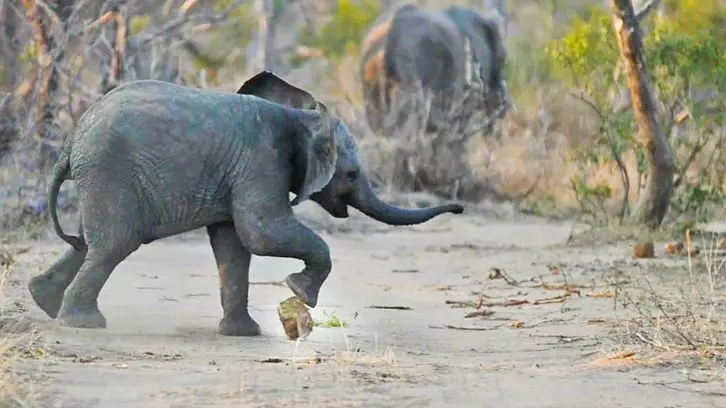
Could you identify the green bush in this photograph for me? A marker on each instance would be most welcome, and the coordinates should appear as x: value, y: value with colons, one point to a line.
x: 685, y: 56
x: 342, y: 34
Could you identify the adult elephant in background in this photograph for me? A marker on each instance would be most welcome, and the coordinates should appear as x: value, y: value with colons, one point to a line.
x: 153, y: 159
x: 447, y: 64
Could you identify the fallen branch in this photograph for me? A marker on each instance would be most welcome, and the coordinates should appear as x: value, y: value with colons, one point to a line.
x: 570, y: 287
x: 670, y: 387
x: 479, y: 313
x: 469, y: 328
x: 507, y: 303
x: 389, y: 307
x: 606, y: 294
x: 462, y: 303
x: 498, y: 273
x: 271, y: 283
x: 556, y: 299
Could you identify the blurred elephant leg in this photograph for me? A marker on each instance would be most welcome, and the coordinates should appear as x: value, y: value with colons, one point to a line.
x: 233, y: 263
x: 47, y: 289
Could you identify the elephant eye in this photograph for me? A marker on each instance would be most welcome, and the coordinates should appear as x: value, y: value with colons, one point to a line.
x: 351, y: 175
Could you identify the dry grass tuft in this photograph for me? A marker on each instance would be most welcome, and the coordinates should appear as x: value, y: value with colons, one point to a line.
x: 677, y: 311
x: 354, y: 354
x: 16, y: 390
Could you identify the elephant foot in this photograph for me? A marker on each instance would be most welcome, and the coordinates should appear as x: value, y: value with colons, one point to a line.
x: 245, y: 326
x: 89, y: 318
x: 304, y: 288
x: 48, y: 295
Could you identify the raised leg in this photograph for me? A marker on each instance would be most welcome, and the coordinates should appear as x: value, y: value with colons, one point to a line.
x: 233, y: 263
x: 274, y: 231
x: 47, y: 288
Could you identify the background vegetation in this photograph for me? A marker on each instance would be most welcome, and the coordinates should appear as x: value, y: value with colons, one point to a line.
x: 569, y: 146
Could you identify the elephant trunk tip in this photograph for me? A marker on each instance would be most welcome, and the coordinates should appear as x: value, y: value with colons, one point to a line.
x: 454, y: 208
x: 371, y: 205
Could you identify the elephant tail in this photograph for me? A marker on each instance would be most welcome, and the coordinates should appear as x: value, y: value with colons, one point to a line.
x: 61, y: 171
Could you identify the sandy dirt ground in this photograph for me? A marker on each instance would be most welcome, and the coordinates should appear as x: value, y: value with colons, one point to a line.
x: 162, y: 304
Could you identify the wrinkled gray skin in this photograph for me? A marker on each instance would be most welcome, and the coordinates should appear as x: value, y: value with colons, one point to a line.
x: 426, y: 50
x: 153, y: 159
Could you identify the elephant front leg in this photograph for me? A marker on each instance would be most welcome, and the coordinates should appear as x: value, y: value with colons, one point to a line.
x: 233, y: 263
x: 282, y: 235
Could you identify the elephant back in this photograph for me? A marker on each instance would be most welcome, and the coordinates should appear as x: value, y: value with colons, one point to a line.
x: 486, y: 43
x: 424, y: 49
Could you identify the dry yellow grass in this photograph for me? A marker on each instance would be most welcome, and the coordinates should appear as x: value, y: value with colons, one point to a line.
x: 15, y: 389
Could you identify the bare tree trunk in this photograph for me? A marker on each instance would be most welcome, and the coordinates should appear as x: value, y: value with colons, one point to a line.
x: 655, y: 200
x: 118, y: 42
x: 8, y: 73
x: 46, y: 69
x: 274, y: 10
x: 257, y: 62
x: 8, y: 43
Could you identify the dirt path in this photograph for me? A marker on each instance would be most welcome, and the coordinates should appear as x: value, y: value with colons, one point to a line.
x: 162, y: 304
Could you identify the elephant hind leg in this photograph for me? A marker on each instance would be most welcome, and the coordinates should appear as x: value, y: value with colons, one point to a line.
x: 110, y: 237
x: 47, y: 289
x: 80, y: 304
x: 233, y: 263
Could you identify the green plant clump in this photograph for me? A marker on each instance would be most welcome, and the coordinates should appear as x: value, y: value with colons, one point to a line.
x: 333, y: 321
x: 685, y: 55
x: 344, y: 31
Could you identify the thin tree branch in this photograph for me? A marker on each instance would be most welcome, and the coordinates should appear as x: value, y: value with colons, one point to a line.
x: 641, y: 14
x: 172, y: 26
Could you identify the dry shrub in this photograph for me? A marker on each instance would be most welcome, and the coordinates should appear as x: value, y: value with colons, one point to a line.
x: 87, y: 53
x: 678, y: 309
x: 15, y: 389
x: 393, y: 162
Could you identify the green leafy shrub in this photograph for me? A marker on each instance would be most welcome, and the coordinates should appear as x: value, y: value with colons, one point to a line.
x: 685, y: 56
x: 139, y: 23
x: 345, y: 29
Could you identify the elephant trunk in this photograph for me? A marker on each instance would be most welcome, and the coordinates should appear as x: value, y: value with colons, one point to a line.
x: 366, y: 201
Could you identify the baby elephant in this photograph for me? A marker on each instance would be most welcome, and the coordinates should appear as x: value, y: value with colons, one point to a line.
x: 153, y: 159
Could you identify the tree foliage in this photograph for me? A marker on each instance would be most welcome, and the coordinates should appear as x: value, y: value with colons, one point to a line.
x: 346, y: 27
x: 685, y: 51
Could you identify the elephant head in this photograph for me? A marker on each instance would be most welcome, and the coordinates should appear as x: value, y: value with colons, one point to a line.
x: 349, y: 184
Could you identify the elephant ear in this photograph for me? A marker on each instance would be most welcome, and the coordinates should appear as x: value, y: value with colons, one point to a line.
x: 269, y: 86
x: 319, y: 153
x: 315, y: 137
